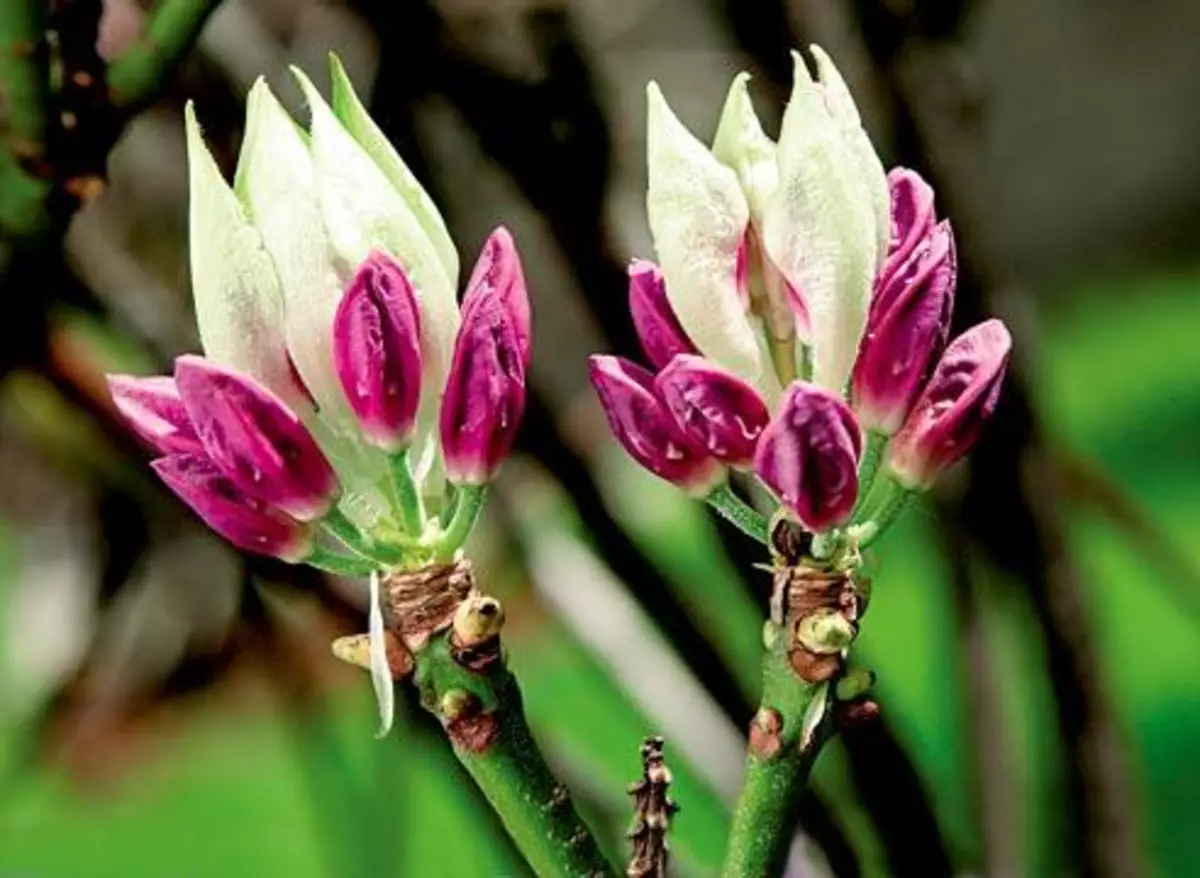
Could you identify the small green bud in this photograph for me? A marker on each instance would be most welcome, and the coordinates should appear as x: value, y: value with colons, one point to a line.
x: 855, y: 683
x: 825, y: 632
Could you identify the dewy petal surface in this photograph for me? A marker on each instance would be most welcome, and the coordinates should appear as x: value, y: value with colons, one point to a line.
x: 377, y: 351
x: 358, y: 122
x: 256, y: 440
x: 244, y: 521
x: 808, y: 456
x: 362, y: 211
x: 239, y: 302
x: 152, y: 408
x: 485, y: 393
x: 715, y: 409
x: 698, y: 217
x: 870, y: 168
x: 275, y: 181
x: 961, y: 396
x: 657, y: 326
x: 643, y: 425
x: 820, y: 229
x: 498, y: 273
x: 912, y: 215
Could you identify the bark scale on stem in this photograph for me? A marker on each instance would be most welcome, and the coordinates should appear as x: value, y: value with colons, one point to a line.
x: 462, y: 679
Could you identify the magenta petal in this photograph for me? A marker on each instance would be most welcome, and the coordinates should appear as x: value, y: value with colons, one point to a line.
x: 377, y: 351
x: 153, y: 410
x: 718, y: 411
x: 657, y: 326
x: 485, y: 391
x: 907, y: 328
x: 247, y: 523
x: 912, y: 215
x: 950, y: 414
x: 256, y: 439
x: 808, y: 456
x: 645, y: 428
x: 498, y: 275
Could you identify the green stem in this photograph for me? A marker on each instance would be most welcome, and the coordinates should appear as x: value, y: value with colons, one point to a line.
x: 778, y: 765
x: 483, y: 716
x: 408, y: 495
x: 23, y: 102
x: 738, y: 513
x: 135, y: 78
x: 352, y: 537
x: 468, y: 504
x: 341, y: 565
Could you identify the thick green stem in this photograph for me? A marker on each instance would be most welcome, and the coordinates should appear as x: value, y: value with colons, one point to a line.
x: 893, y: 500
x: 738, y: 513
x: 481, y: 710
x: 341, y: 565
x: 135, y: 78
x: 786, y: 736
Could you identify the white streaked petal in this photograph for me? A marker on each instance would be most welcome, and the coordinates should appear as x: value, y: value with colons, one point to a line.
x: 381, y: 671
x: 698, y: 218
x: 239, y: 304
x: 353, y: 115
x: 362, y: 211
x: 845, y: 113
x: 741, y: 144
x: 820, y: 229
x: 275, y: 182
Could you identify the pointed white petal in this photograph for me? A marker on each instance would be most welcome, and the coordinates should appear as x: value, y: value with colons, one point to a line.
x: 363, y: 211
x: 698, y: 218
x: 353, y: 115
x: 381, y: 672
x: 820, y: 229
x: 742, y: 145
x: 845, y: 113
x: 239, y: 304
x: 275, y: 182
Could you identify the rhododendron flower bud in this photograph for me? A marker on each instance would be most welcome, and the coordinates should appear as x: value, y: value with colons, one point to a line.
x: 248, y: 523
x: 912, y: 216
x: 256, y: 440
x: 657, y: 326
x: 808, y: 456
x: 152, y: 408
x: 716, y: 410
x: 498, y: 273
x: 643, y: 425
x: 947, y: 418
x: 485, y: 393
x: 377, y: 351
x: 906, y: 330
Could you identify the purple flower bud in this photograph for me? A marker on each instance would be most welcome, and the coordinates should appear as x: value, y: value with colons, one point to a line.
x: 256, y: 440
x: 907, y: 328
x: 485, y: 391
x: 498, y: 273
x: 153, y: 410
x: 912, y: 216
x: 657, y: 326
x: 808, y: 456
x: 377, y: 351
x: 718, y: 411
x: 643, y: 425
x: 949, y: 416
x: 247, y: 523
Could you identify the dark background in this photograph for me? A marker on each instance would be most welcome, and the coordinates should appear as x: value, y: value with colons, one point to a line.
x: 168, y: 708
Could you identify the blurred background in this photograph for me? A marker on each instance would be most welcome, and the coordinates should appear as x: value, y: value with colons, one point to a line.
x: 170, y: 708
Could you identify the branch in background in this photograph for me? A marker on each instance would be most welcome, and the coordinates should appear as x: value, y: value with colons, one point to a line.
x: 652, y: 813
x: 938, y: 110
x: 137, y: 77
x: 24, y: 87
x: 992, y: 772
